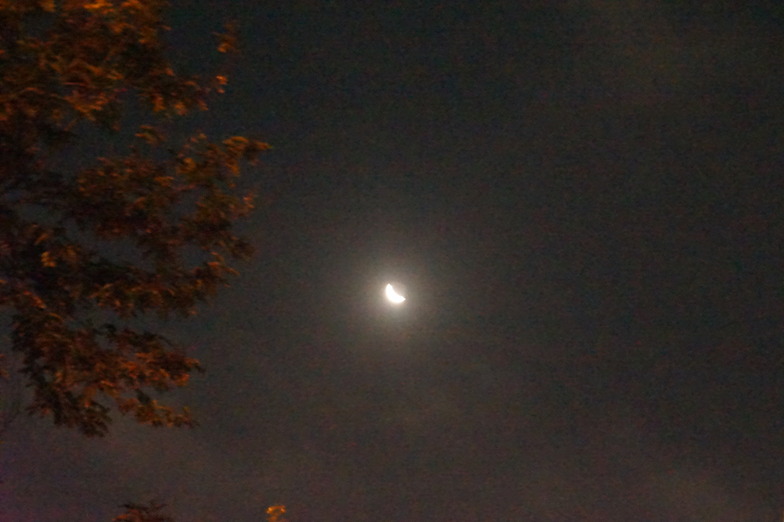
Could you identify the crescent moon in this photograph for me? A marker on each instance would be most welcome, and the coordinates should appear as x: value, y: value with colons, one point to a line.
x: 392, y: 295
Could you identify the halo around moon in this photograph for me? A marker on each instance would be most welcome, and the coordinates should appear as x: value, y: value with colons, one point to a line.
x: 392, y: 295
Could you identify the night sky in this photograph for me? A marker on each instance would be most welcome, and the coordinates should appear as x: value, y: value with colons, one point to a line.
x: 585, y: 202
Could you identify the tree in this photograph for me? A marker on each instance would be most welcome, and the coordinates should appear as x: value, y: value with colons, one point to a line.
x: 91, y: 248
x: 152, y: 512
x: 276, y: 513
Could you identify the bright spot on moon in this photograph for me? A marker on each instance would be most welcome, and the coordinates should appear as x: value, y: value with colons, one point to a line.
x: 392, y: 296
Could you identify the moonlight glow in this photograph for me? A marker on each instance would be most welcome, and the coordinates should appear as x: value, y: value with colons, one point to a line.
x: 392, y: 296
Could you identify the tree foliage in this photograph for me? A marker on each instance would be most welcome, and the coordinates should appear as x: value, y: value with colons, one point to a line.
x: 90, y: 249
x: 276, y: 513
x: 152, y: 512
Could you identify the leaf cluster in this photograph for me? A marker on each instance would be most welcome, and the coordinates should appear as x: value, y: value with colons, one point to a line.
x: 87, y: 252
x: 152, y: 512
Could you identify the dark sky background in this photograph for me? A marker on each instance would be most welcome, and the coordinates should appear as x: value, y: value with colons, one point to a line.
x: 584, y: 199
